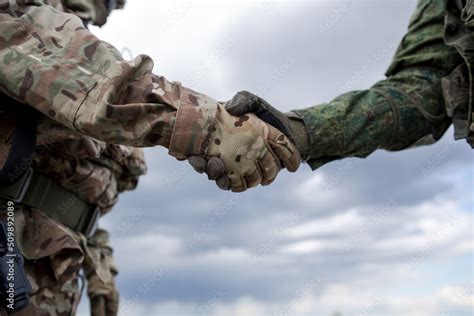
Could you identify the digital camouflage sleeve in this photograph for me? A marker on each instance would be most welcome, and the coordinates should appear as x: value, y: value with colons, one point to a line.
x: 404, y: 110
x: 50, y: 61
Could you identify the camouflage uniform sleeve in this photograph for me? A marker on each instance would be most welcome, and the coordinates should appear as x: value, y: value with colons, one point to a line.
x: 49, y: 61
x: 404, y: 110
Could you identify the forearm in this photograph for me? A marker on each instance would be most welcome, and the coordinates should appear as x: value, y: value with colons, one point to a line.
x: 72, y: 77
x: 387, y: 116
x: 347, y: 126
x: 397, y: 112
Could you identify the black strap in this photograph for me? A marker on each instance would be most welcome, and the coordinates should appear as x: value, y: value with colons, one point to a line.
x: 24, y: 141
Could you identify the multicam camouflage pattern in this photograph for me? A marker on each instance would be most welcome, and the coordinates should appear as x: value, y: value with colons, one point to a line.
x: 93, y: 105
x: 54, y: 257
x: 97, y: 172
x: 289, y: 124
x: 82, y: 83
x: 50, y: 297
x: 250, y: 149
x: 406, y: 109
x: 194, y: 121
x: 101, y: 287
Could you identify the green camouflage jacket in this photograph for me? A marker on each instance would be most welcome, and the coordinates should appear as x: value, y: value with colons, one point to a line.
x: 406, y: 109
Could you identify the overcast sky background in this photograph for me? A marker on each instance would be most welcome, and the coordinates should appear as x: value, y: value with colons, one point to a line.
x: 388, y: 235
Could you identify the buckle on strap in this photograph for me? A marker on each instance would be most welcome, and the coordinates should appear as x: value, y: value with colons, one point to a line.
x: 17, y: 191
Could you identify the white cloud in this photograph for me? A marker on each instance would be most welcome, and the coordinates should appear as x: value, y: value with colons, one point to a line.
x: 315, y: 185
x: 438, y: 224
x: 223, y: 256
x: 311, y: 246
x: 458, y: 296
x: 343, y: 222
x: 344, y: 298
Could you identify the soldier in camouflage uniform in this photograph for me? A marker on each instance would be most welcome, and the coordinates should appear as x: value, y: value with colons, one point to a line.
x: 429, y: 85
x: 94, y: 110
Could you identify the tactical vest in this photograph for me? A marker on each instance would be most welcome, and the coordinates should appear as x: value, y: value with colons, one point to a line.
x: 458, y: 87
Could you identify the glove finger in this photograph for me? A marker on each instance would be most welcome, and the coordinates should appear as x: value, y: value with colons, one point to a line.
x: 237, y: 183
x: 285, y: 151
x: 290, y: 159
x: 215, y: 168
x: 224, y: 183
x: 255, y: 178
x: 246, y: 102
x: 199, y: 164
x: 269, y: 167
x: 241, y: 103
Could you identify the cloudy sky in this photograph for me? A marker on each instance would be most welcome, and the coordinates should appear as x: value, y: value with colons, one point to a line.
x: 388, y: 235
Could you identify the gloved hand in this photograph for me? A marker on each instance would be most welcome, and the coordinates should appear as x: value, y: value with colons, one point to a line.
x: 289, y: 124
x: 243, y: 152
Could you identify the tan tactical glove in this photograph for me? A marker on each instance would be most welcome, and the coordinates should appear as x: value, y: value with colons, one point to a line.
x: 239, y: 152
x: 100, y: 271
x: 243, y: 152
x: 289, y: 124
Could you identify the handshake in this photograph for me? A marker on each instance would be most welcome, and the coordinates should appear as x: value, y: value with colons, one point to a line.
x: 240, y: 144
